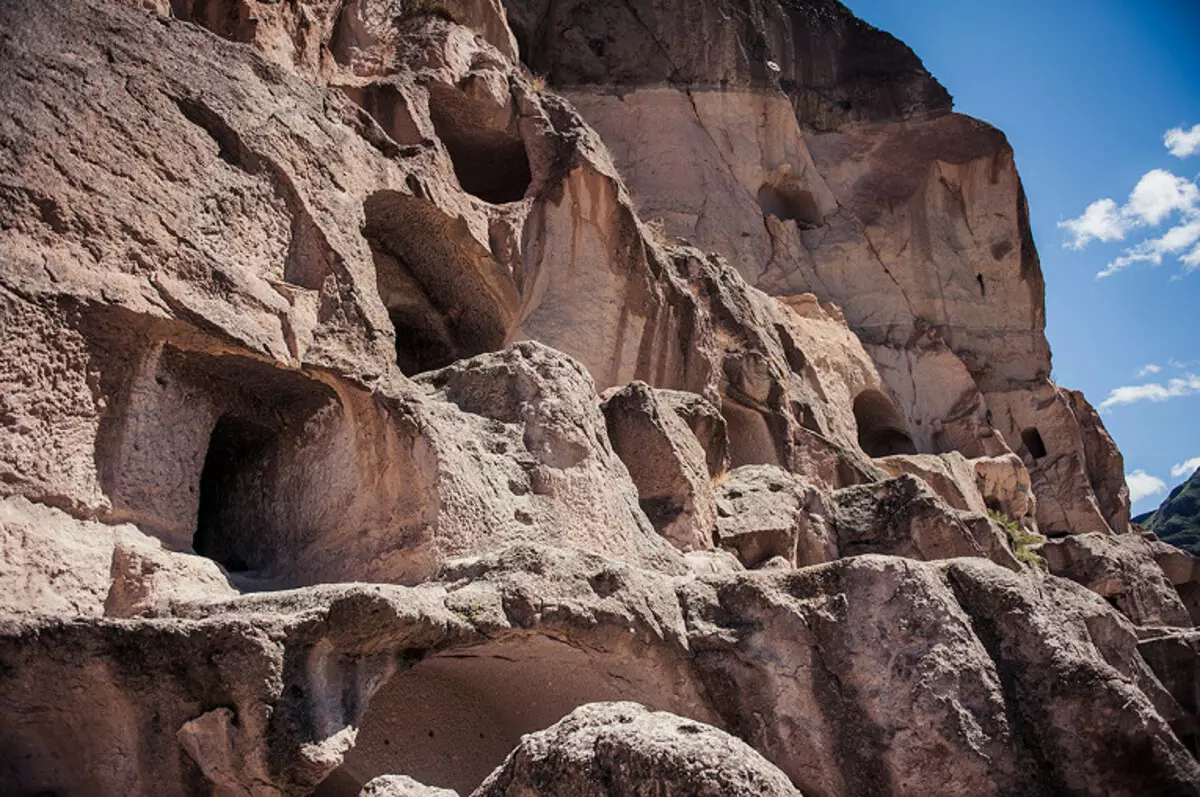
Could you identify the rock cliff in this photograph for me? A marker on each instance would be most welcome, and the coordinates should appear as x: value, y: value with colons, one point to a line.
x: 421, y: 397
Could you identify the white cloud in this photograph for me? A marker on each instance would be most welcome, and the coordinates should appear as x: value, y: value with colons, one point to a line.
x: 1102, y: 221
x: 1185, y: 468
x: 1174, y: 241
x: 1149, y: 368
x: 1191, y: 261
x: 1159, y: 194
x: 1182, y: 143
x: 1143, y: 485
x: 1186, y: 385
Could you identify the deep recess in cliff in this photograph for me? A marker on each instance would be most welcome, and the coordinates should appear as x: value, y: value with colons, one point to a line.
x: 419, y: 397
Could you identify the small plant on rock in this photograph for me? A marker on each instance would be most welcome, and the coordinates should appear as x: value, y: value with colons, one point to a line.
x: 1020, y: 539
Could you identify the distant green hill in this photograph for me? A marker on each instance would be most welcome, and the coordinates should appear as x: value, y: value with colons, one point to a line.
x: 1177, y: 521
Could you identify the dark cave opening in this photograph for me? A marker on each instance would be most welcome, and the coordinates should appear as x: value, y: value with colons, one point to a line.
x: 234, y: 466
x: 489, y: 159
x: 789, y: 203
x: 1034, y: 444
x: 441, y: 290
x: 881, y: 429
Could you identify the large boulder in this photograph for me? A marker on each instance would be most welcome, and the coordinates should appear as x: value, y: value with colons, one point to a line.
x: 904, y: 517
x: 1123, y: 569
x: 1174, y: 656
x: 625, y: 750
x: 527, y: 433
x: 652, y: 432
x: 402, y: 786
x: 863, y: 676
x: 53, y: 564
x: 764, y: 512
x: 1065, y: 659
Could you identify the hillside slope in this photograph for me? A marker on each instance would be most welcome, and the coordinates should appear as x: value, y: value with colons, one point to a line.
x: 1177, y: 519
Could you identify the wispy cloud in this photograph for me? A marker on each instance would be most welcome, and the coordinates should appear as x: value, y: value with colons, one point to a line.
x: 1158, y: 196
x: 1143, y: 485
x: 1178, y: 387
x: 1149, y: 369
x: 1152, y: 251
x: 1182, y: 143
x: 1185, y: 468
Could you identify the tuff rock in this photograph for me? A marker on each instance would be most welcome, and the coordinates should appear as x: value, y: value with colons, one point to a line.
x: 410, y: 397
x: 622, y: 749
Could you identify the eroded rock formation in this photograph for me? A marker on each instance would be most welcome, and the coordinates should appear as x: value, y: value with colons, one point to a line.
x: 370, y: 420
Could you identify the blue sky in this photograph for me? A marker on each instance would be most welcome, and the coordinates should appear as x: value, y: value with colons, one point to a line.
x: 1086, y: 92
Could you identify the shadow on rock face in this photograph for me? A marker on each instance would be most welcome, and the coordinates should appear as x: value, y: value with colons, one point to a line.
x: 446, y: 297
x: 452, y: 718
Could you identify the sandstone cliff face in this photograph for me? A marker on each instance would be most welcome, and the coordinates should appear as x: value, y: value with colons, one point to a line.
x: 354, y: 424
x: 816, y: 154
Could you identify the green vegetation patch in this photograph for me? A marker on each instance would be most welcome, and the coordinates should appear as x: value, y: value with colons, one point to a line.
x: 1022, y: 541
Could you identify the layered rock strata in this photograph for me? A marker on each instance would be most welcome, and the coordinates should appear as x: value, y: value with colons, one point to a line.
x: 818, y: 155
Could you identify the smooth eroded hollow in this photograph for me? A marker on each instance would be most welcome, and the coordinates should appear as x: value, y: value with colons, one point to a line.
x: 789, y: 203
x: 484, y: 143
x: 453, y: 718
x: 445, y: 295
x: 881, y: 428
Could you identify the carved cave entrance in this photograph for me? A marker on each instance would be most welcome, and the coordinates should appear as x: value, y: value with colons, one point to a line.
x: 453, y: 718
x: 440, y: 287
x: 790, y: 203
x: 239, y: 453
x: 881, y: 428
x: 263, y: 490
x: 484, y: 144
x: 1031, y: 438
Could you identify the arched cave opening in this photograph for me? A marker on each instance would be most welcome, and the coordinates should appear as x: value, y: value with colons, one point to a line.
x: 789, y: 203
x: 443, y: 292
x: 1032, y: 439
x: 487, y: 150
x: 230, y: 483
x: 452, y: 718
x: 881, y: 428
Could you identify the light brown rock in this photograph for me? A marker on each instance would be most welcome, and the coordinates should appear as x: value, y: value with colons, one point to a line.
x: 402, y: 786
x: 765, y: 512
x: 667, y: 460
x: 1121, y: 568
x: 1050, y: 651
x: 624, y: 750
x: 326, y: 292
x: 53, y: 564
x: 862, y: 676
x: 794, y: 172
x: 1174, y: 656
x: 904, y: 517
